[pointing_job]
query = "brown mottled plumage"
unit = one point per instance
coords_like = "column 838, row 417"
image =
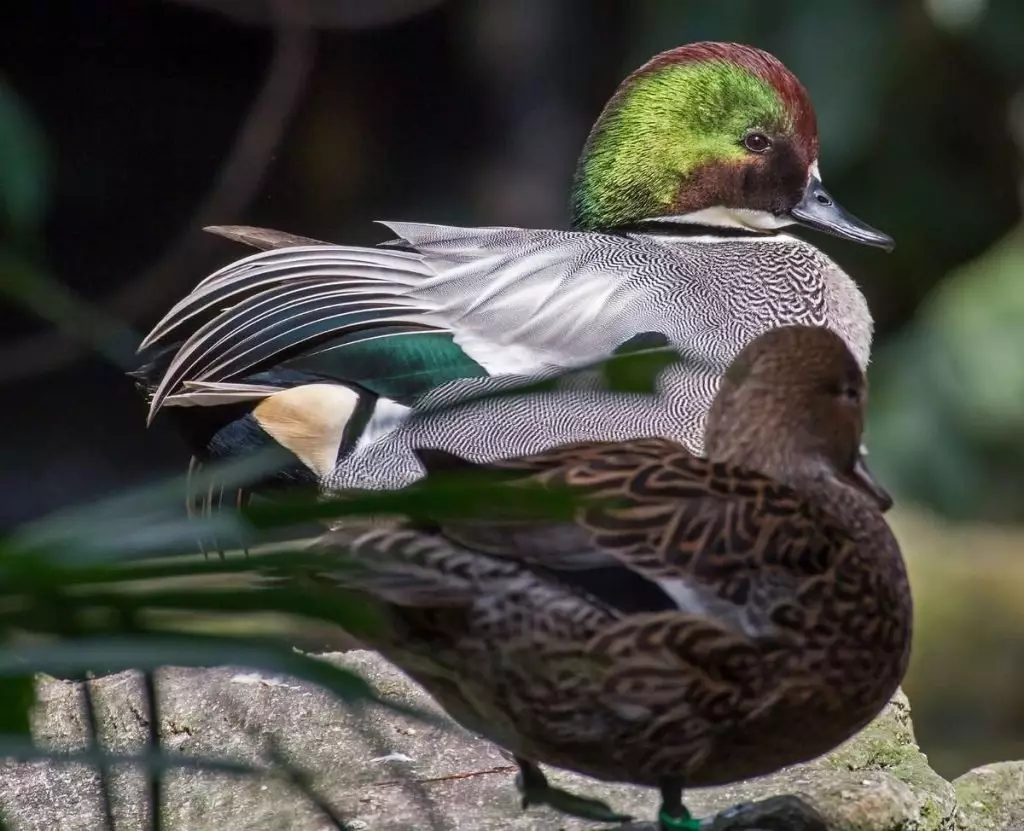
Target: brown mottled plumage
column 707, row 620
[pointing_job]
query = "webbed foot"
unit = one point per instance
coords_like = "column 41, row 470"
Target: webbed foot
column 536, row 790
column 670, row 823
column 665, row 823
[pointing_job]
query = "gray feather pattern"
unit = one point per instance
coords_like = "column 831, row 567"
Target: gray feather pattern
column 709, row 295
column 519, row 302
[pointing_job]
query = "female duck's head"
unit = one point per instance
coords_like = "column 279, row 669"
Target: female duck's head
column 715, row 134
column 791, row 405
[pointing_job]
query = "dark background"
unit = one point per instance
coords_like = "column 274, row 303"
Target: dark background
column 151, row 119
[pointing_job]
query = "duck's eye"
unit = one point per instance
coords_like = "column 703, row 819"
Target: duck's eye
column 849, row 394
column 757, row 142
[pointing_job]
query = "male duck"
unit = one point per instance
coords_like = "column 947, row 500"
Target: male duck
column 699, row 621
column 696, row 163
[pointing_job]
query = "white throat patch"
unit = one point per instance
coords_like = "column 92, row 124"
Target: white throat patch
column 741, row 218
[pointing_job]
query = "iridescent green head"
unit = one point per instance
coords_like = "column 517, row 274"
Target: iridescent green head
column 710, row 134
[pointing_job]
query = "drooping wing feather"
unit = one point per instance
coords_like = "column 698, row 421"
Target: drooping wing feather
column 281, row 271
column 512, row 300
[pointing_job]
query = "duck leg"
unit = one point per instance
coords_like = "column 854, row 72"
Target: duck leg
column 534, row 787
column 673, row 815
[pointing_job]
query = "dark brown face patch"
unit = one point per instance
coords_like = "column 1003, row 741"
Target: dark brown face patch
column 773, row 181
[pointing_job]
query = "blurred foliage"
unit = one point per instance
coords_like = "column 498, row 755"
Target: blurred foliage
column 23, row 166
column 947, row 425
column 108, row 587
column 966, row 678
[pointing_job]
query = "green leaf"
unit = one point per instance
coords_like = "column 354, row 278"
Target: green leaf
column 68, row 575
column 30, row 286
column 144, row 522
column 17, row 697
column 317, row 601
column 24, row 168
column 635, row 368
column 463, row 495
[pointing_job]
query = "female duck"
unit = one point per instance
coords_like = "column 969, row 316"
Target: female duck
column 699, row 620
column 689, row 175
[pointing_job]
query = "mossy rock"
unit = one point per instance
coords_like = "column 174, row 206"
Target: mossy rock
column 888, row 744
column 991, row 797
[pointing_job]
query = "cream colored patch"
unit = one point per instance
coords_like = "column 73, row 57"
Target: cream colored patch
column 309, row 421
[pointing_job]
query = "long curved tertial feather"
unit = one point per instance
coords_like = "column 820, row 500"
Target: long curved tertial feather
column 514, row 301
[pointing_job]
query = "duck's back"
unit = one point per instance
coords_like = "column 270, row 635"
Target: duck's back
column 708, row 295
column 578, row 295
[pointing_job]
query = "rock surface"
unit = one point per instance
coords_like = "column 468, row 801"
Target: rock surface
column 383, row 771
column 992, row 797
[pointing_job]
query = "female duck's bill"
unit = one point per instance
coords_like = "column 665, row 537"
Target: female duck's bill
column 864, row 479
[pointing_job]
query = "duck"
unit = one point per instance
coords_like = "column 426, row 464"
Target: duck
column 692, row 621
column 682, row 202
